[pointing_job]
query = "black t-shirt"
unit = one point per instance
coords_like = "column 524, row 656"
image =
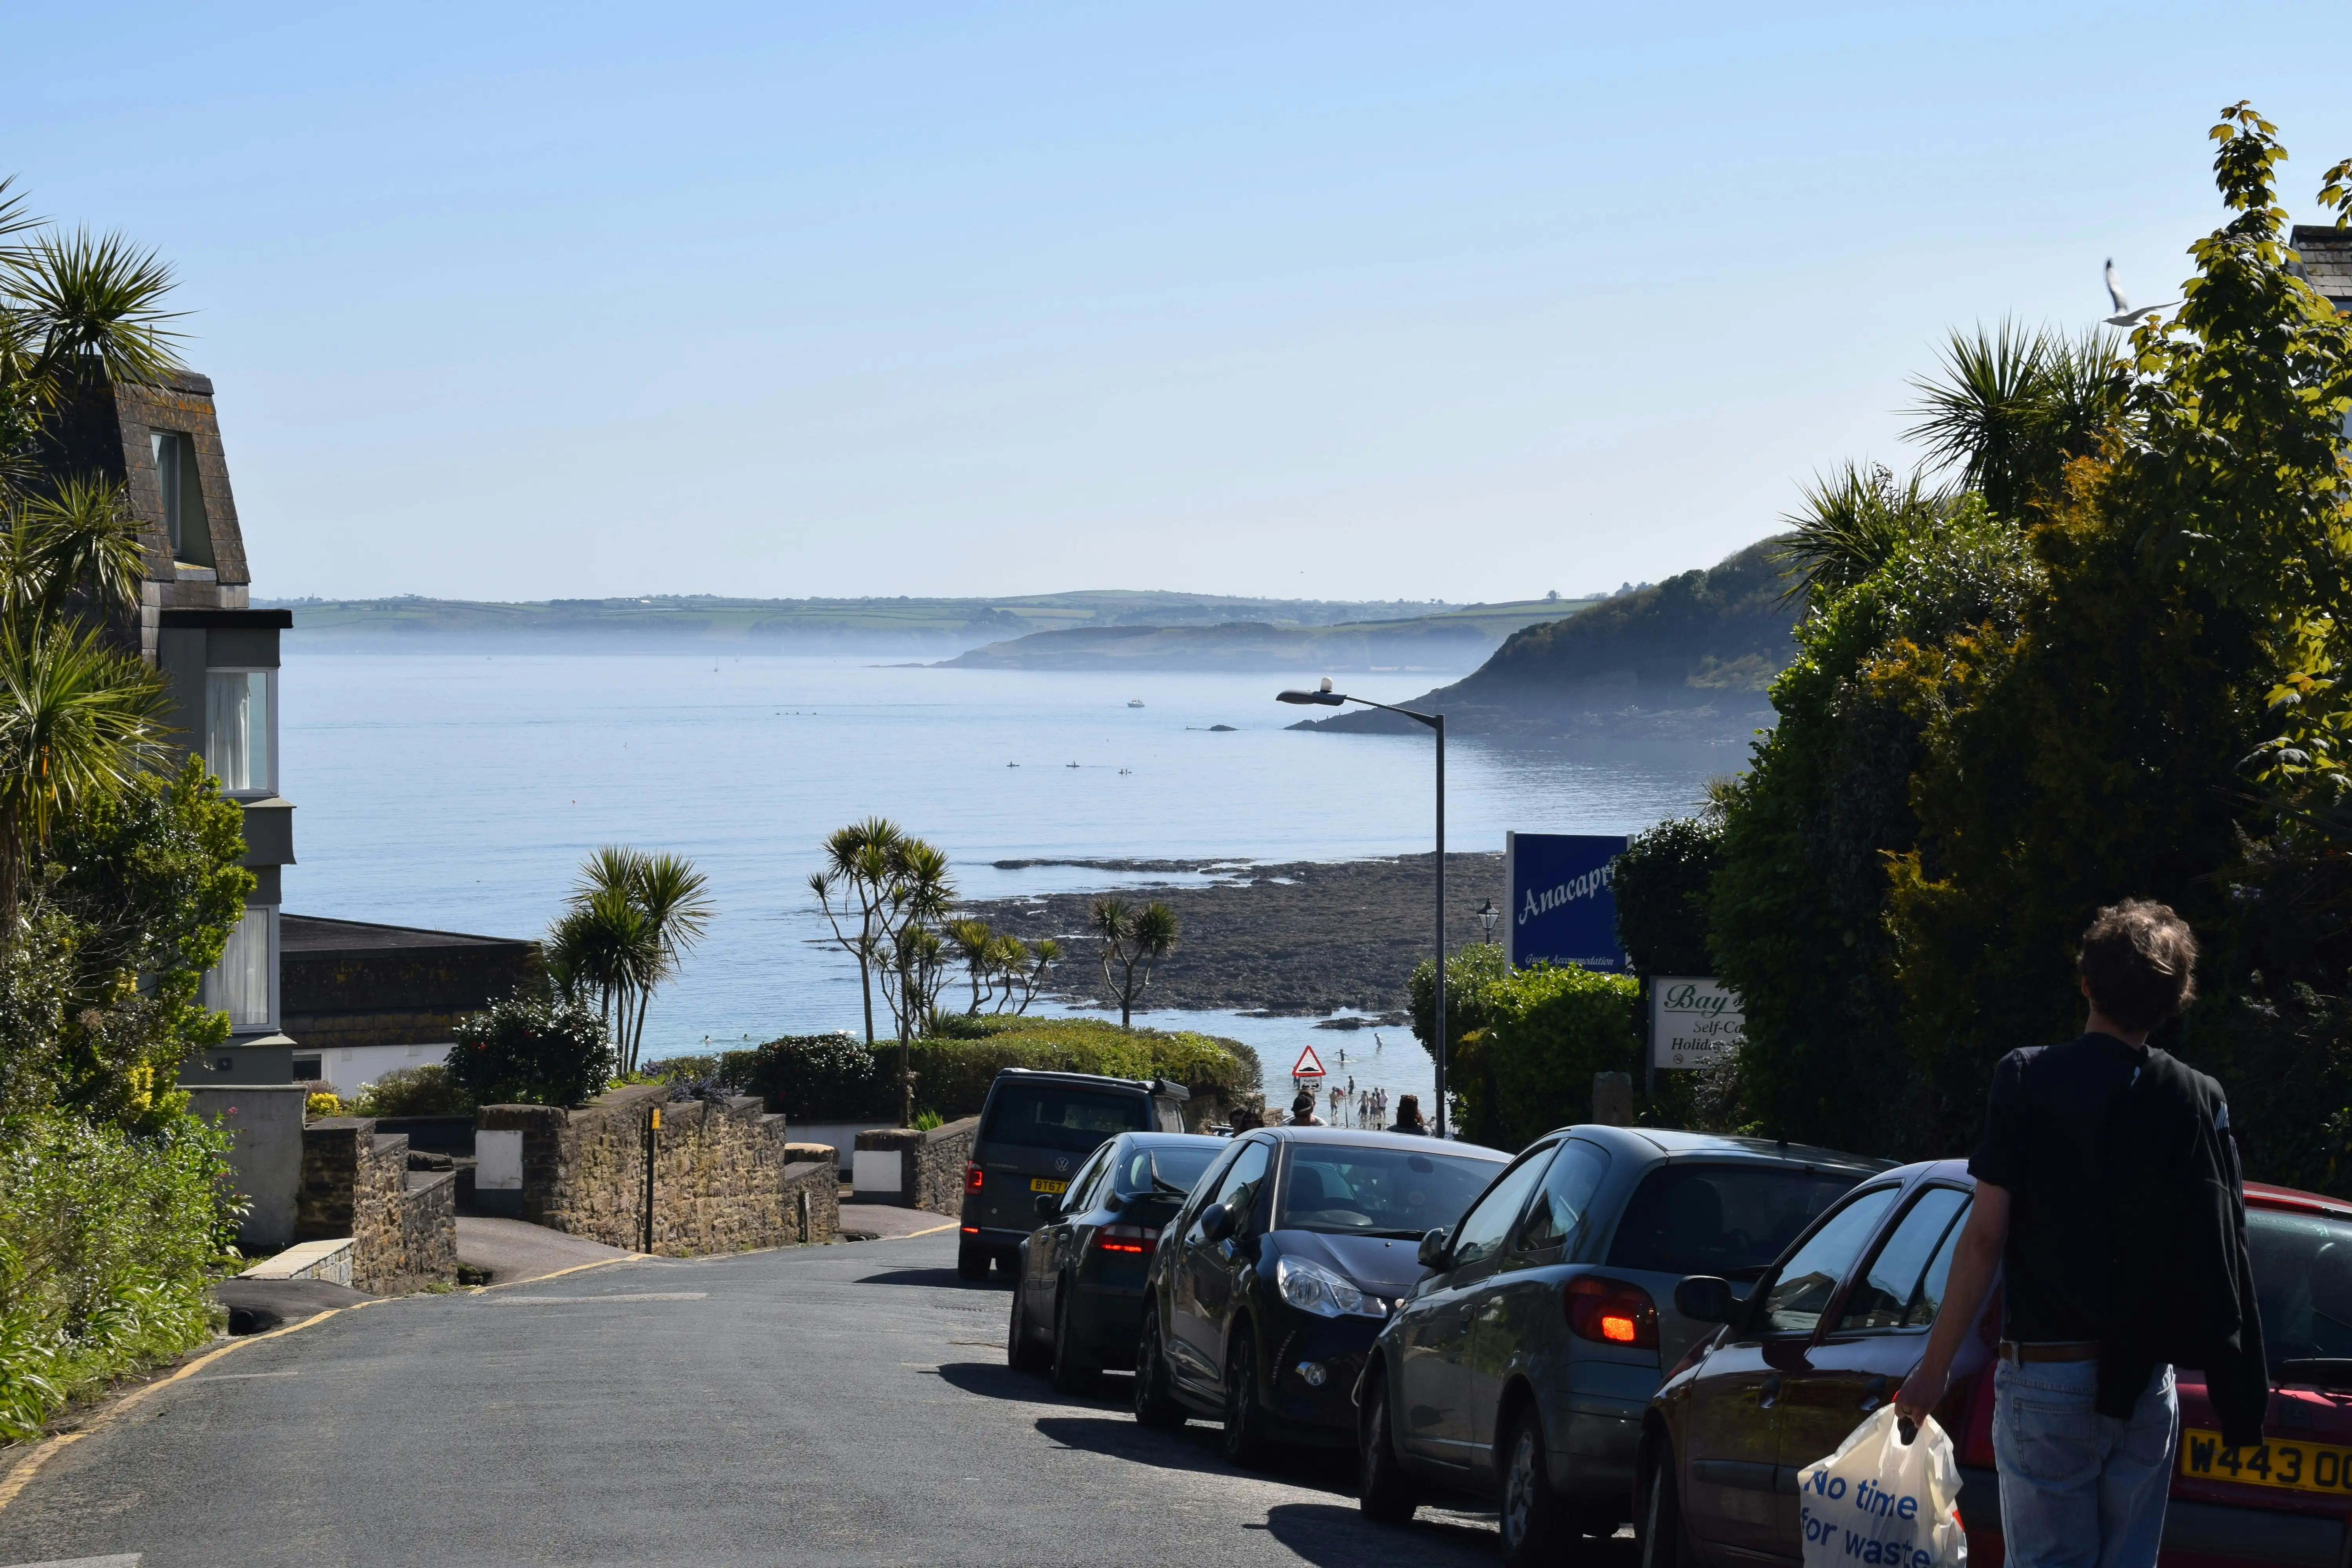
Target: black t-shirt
column 2047, row 1137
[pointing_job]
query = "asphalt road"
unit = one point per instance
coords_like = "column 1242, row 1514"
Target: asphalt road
column 829, row 1405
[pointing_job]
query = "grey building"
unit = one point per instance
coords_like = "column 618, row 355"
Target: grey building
column 219, row 657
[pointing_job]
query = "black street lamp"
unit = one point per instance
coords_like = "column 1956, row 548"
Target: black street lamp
column 1327, row 698
column 1488, row 915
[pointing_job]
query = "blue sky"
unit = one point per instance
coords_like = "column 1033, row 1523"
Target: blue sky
column 1469, row 301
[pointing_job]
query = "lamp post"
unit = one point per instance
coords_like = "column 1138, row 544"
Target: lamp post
column 1325, row 697
column 1488, row 915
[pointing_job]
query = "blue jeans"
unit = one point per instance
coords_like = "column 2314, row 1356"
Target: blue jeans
column 2079, row 1490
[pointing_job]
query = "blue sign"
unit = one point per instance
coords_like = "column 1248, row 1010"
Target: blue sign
column 1563, row 908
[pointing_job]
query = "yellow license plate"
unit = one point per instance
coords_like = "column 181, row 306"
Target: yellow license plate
column 2293, row 1466
column 1047, row 1184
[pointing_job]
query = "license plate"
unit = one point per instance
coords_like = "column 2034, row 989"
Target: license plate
column 1047, row 1184
column 2291, row 1466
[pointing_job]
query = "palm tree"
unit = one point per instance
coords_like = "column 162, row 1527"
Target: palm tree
column 75, row 547
column 857, row 866
column 2011, row 409
column 1132, row 939
column 977, row 946
column 675, row 900
column 605, row 946
column 1853, row 522
column 917, row 893
column 77, row 722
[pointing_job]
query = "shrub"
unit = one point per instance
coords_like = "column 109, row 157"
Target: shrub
column 1662, row 888
column 426, row 1091
column 322, row 1104
column 927, row 1119
column 813, row 1077
column 107, row 1239
column 1531, row 1068
column 529, row 1051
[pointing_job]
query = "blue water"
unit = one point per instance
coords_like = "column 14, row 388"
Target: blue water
column 461, row 792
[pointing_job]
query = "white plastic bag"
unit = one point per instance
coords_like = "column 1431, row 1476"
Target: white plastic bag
column 1879, row 1501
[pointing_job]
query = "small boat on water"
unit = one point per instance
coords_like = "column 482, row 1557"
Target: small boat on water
column 1135, row 702
column 1070, row 764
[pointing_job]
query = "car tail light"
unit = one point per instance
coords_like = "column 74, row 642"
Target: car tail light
column 1141, row 1240
column 1611, row 1312
column 972, row 1178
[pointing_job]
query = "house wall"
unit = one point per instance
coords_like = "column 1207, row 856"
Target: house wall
column 264, row 1127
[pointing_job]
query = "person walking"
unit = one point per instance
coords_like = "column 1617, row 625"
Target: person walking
column 1302, row 1111
column 2109, row 1197
column 1408, row 1116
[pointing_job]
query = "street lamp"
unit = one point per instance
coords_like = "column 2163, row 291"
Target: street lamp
column 1324, row 697
column 1488, row 915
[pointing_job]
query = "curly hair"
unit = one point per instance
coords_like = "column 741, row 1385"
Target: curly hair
column 2139, row 960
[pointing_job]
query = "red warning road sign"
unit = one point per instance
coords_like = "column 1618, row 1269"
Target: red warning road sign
column 1310, row 1065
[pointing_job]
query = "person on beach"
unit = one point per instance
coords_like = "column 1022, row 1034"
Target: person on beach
column 1302, row 1111
column 1408, row 1116
column 2108, row 1191
column 1335, row 1104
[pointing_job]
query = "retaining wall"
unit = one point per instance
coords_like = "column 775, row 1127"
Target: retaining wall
column 931, row 1164
column 724, row 1179
column 356, row 1183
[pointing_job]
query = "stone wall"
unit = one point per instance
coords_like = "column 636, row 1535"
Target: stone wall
column 931, row 1163
column 356, row 1183
column 724, row 1180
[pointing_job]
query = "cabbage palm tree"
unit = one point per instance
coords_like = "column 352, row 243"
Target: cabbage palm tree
column 858, row 867
column 1131, row 938
column 2010, row 409
column 677, row 907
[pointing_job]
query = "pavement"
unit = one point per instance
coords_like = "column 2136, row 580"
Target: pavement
column 887, row 1221
column 822, row 1404
column 515, row 1250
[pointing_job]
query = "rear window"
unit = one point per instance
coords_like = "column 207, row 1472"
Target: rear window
column 1179, row 1167
column 2302, row 1277
column 1061, row 1116
column 1391, row 1191
column 1720, row 1219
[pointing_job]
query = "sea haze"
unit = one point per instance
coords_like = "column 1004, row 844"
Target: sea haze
column 461, row 792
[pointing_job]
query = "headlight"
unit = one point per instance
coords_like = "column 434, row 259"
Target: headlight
column 1311, row 1288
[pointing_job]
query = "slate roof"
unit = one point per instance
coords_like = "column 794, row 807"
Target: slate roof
column 2326, row 254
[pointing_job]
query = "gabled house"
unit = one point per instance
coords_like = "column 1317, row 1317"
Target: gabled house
column 219, row 659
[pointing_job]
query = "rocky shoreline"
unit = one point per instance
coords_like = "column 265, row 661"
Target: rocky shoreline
column 1292, row 939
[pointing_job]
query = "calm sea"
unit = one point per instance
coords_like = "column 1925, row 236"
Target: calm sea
column 461, row 792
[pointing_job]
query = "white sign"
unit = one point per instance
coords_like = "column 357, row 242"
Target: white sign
column 1694, row 1022
column 1310, row 1064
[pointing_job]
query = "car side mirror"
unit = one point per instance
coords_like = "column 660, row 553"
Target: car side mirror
column 1217, row 1222
column 1704, row 1299
column 1048, row 1204
column 1433, row 1248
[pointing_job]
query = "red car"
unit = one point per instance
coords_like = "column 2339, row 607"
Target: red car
column 1830, row 1332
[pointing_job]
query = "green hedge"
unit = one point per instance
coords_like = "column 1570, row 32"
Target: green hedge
column 1527, row 1043
column 953, row 1068
column 107, row 1240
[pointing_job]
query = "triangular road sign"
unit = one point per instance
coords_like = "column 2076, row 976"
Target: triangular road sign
column 1310, row 1065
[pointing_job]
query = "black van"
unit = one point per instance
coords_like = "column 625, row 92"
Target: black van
column 1037, row 1128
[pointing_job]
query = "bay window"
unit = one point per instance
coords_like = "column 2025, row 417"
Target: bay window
column 243, row 982
column 240, row 725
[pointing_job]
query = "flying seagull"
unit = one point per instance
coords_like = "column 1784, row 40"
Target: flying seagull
column 2125, row 315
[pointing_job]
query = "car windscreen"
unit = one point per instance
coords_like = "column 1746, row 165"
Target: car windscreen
column 1721, row 1219
column 1061, row 1116
column 1403, row 1192
column 2303, row 1280
column 1176, row 1165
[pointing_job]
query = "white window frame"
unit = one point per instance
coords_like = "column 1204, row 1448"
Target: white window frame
column 270, row 697
column 210, row 988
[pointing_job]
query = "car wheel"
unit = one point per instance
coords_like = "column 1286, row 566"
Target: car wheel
column 972, row 1262
column 1021, row 1353
column 1073, row 1370
column 1383, row 1490
column 1530, row 1514
column 1245, row 1443
column 1665, row 1542
column 1154, row 1406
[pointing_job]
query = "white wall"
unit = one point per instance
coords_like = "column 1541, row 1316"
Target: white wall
column 354, row 1064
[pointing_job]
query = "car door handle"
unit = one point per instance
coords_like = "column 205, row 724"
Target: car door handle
column 1767, row 1392
column 1873, row 1395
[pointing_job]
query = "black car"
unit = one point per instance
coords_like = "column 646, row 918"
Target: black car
column 1521, row 1369
column 1272, row 1281
column 1077, row 1298
column 1036, row 1130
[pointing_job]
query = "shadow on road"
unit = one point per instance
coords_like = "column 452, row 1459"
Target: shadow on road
column 995, row 1380
column 938, row 1278
column 1329, row 1533
column 1196, row 1448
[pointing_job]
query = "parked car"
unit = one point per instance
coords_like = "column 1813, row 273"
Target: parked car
column 1839, row 1322
column 1036, row 1130
column 1519, row 1369
column 1272, row 1281
column 1077, row 1295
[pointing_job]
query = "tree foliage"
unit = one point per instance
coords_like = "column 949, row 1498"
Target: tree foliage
column 531, row 1050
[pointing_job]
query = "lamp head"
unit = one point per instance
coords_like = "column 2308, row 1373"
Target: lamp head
column 1323, row 697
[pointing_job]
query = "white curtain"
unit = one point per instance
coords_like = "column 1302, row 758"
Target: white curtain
column 239, row 984
column 237, row 728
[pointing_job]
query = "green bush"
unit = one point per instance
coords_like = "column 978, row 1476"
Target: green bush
column 425, row 1090
column 1661, row 888
column 107, row 1239
column 1531, row 1067
column 812, row 1077
column 529, row 1051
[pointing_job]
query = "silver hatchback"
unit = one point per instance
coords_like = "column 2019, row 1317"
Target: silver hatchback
column 1519, row 1370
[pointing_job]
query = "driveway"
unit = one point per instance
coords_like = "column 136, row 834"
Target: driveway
column 827, row 1405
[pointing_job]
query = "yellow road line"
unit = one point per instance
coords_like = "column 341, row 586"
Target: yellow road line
column 912, row 1233
column 30, row 1466
column 575, row 1269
